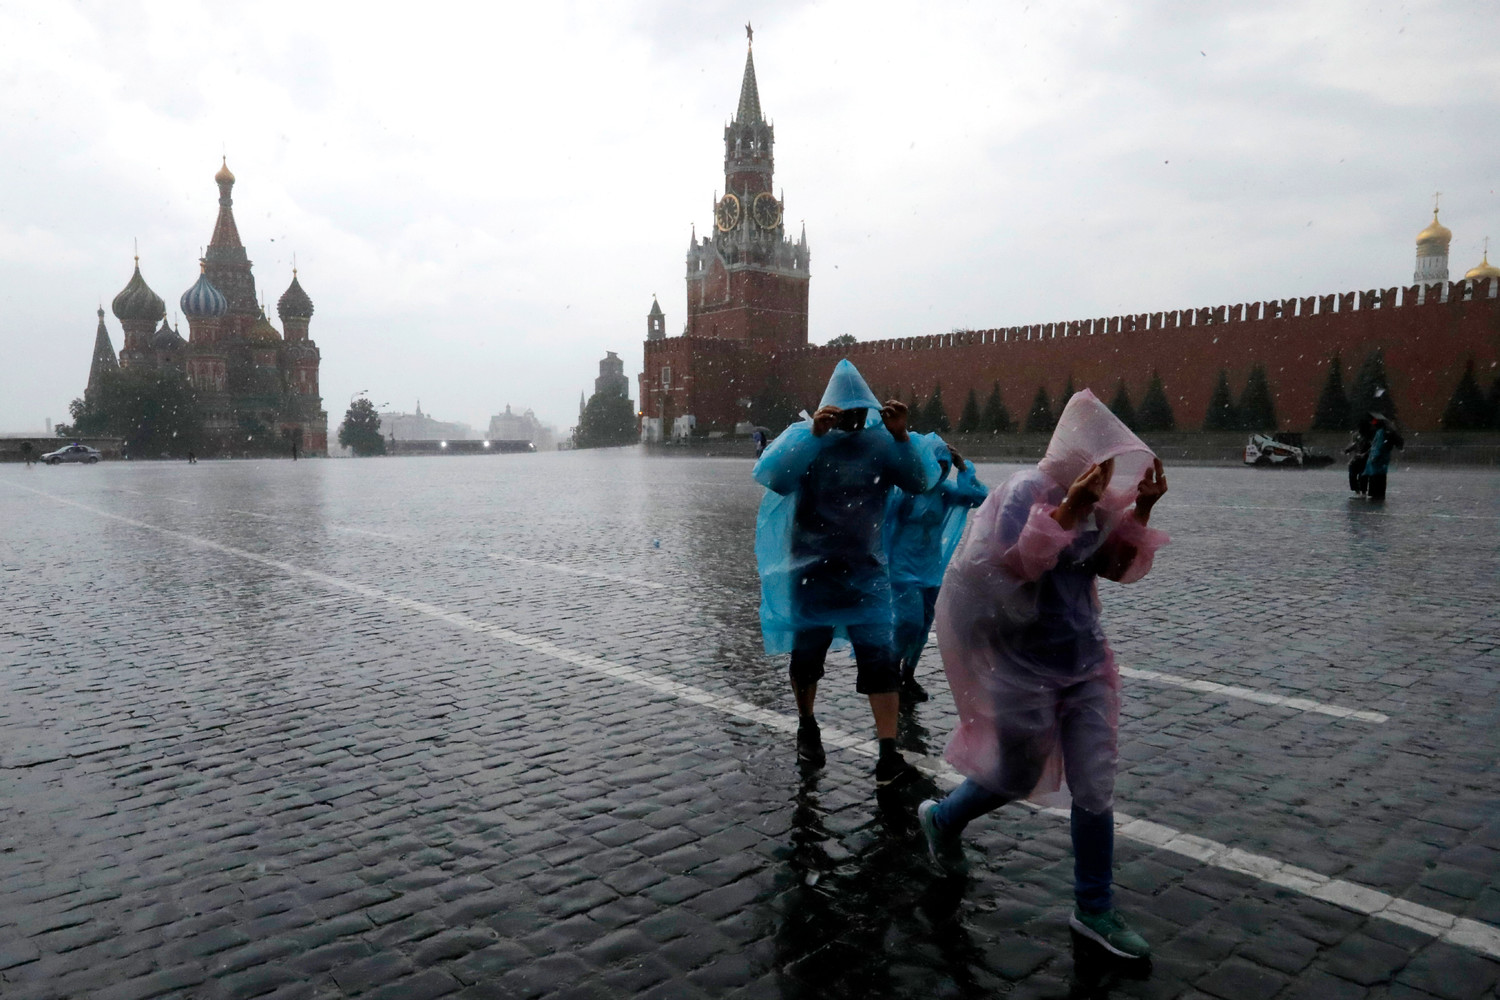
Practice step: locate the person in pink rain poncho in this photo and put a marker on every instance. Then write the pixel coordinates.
(1035, 683)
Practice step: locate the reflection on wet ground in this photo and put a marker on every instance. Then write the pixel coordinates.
(348, 741)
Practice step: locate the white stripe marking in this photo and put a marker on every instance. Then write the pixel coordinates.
(1250, 694)
(1459, 931)
(1337, 510)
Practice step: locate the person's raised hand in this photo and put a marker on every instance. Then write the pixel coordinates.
(1153, 485)
(893, 413)
(825, 420)
(958, 460)
(1087, 490)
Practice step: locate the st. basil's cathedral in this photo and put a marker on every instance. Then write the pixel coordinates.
(249, 379)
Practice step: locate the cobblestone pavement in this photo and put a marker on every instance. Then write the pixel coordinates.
(501, 727)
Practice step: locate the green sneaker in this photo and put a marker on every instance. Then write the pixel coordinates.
(1110, 931)
(946, 852)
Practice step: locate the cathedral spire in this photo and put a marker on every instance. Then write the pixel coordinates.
(226, 233)
(749, 109)
(104, 356)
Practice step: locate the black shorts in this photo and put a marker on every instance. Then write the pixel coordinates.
(878, 670)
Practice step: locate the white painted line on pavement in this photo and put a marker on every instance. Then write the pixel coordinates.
(1250, 694)
(1460, 931)
(1338, 510)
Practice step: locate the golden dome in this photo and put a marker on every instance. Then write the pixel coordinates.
(1435, 234)
(225, 177)
(1484, 271)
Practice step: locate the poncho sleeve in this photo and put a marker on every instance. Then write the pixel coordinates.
(909, 465)
(1130, 551)
(782, 465)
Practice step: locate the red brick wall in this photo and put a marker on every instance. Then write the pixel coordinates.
(748, 305)
(1425, 346)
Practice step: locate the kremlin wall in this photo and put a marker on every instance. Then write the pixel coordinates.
(747, 329)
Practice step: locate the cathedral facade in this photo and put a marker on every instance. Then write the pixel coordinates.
(747, 312)
(256, 386)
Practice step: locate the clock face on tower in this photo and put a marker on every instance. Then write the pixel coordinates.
(766, 210)
(727, 213)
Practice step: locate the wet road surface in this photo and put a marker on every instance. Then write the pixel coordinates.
(501, 727)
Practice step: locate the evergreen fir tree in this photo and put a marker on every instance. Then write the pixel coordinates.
(1040, 419)
(968, 421)
(1493, 409)
(934, 415)
(1222, 414)
(1156, 412)
(1333, 413)
(996, 418)
(1068, 391)
(916, 419)
(1467, 408)
(1122, 406)
(1257, 408)
(1371, 388)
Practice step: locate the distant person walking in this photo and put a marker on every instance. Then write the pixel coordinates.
(820, 550)
(1385, 439)
(1358, 450)
(26, 450)
(1035, 683)
(922, 530)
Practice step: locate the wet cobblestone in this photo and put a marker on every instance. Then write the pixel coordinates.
(225, 779)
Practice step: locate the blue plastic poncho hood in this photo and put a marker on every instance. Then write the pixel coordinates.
(848, 390)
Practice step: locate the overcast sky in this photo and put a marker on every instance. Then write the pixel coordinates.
(483, 198)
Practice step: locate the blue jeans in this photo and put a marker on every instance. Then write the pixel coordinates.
(1093, 840)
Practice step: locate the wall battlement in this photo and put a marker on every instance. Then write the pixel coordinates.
(1413, 296)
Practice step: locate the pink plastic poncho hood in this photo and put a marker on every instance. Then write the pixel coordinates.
(1088, 433)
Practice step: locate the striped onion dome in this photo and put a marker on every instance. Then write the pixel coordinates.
(137, 302)
(294, 302)
(203, 300)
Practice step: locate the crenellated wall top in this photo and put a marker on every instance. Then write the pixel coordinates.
(1412, 296)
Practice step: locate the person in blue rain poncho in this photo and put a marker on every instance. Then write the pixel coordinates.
(922, 530)
(1034, 681)
(820, 550)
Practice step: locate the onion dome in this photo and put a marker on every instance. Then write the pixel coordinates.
(1435, 237)
(137, 302)
(203, 300)
(224, 176)
(294, 302)
(1484, 272)
(261, 331)
(167, 339)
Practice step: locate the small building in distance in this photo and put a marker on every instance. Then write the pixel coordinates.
(421, 426)
(612, 379)
(511, 426)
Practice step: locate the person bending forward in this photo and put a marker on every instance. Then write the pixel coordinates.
(1035, 683)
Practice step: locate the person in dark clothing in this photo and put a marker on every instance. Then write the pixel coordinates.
(1385, 440)
(820, 550)
(1358, 449)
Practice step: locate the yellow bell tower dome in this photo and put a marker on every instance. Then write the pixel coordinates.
(1485, 271)
(1432, 250)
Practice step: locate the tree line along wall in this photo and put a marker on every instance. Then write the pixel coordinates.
(1427, 336)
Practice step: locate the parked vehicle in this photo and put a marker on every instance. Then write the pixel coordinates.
(1283, 450)
(73, 453)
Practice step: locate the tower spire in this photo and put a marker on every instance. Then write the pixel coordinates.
(748, 112)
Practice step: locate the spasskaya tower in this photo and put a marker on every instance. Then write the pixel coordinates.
(746, 291)
(748, 281)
